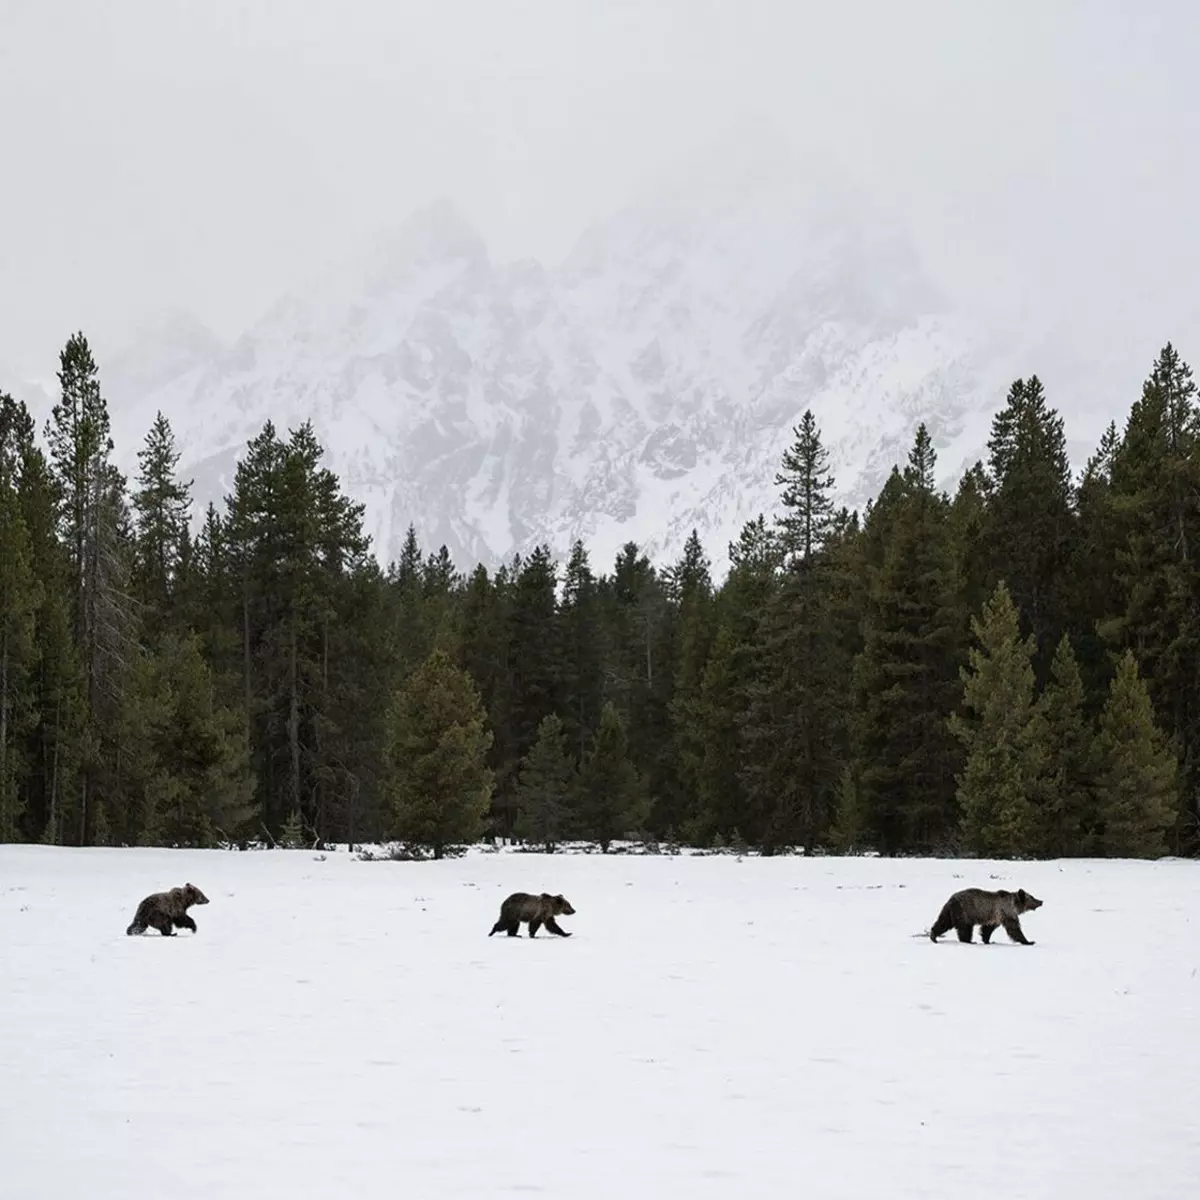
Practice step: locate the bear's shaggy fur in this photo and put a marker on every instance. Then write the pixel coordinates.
(167, 911)
(974, 906)
(537, 910)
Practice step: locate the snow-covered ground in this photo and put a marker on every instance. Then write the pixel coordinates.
(714, 1028)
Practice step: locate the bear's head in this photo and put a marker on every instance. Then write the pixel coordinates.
(562, 906)
(1027, 901)
(193, 895)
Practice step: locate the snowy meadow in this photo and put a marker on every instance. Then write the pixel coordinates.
(715, 1027)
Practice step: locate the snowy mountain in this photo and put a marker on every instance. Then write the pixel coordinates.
(645, 386)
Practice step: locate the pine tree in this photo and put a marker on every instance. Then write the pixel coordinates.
(437, 773)
(807, 483)
(1155, 482)
(1031, 510)
(547, 790)
(1067, 804)
(791, 765)
(906, 677)
(580, 636)
(161, 506)
(19, 600)
(721, 801)
(186, 762)
(1005, 753)
(1136, 795)
(613, 801)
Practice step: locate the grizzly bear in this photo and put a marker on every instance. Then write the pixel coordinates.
(537, 910)
(974, 906)
(167, 911)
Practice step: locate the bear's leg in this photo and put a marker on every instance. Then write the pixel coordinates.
(185, 922)
(965, 931)
(1013, 928)
(985, 932)
(554, 927)
(499, 925)
(534, 926)
(513, 927)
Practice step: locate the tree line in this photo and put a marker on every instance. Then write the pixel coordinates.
(1011, 670)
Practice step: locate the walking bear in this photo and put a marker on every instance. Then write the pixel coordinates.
(974, 906)
(167, 911)
(537, 910)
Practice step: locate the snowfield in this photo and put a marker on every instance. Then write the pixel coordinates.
(714, 1028)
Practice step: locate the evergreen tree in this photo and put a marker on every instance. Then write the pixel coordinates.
(187, 765)
(19, 600)
(906, 675)
(1067, 804)
(613, 801)
(791, 767)
(807, 482)
(580, 635)
(548, 787)
(161, 512)
(1155, 482)
(1031, 510)
(437, 773)
(1136, 793)
(1005, 752)
(721, 801)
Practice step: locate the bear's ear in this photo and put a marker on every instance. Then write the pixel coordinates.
(1020, 893)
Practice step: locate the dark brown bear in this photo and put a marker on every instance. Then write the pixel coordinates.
(167, 911)
(537, 910)
(973, 906)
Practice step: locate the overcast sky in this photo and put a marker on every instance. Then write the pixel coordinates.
(204, 155)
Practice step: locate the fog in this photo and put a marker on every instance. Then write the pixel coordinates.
(161, 154)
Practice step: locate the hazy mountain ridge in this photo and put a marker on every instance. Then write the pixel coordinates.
(646, 386)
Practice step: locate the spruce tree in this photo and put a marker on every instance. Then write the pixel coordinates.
(161, 507)
(906, 677)
(791, 765)
(1031, 511)
(1067, 804)
(1005, 752)
(547, 790)
(1136, 795)
(19, 601)
(437, 774)
(613, 800)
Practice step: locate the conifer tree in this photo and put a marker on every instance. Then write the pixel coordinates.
(547, 790)
(1031, 510)
(1067, 804)
(613, 800)
(1005, 753)
(791, 766)
(580, 636)
(1136, 773)
(161, 507)
(437, 774)
(1155, 485)
(906, 675)
(19, 599)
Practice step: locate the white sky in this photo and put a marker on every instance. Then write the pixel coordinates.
(204, 154)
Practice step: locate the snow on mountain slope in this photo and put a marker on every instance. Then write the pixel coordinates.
(646, 386)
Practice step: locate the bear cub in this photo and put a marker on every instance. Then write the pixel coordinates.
(974, 906)
(167, 911)
(537, 910)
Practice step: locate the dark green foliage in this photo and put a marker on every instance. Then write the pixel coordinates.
(1067, 805)
(548, 787)
(1135, 772)
(437, 742)
(1002, 777)
(259, 674)
(906, 677)
(613, 801)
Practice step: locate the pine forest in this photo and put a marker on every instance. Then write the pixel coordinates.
(1011, 670)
